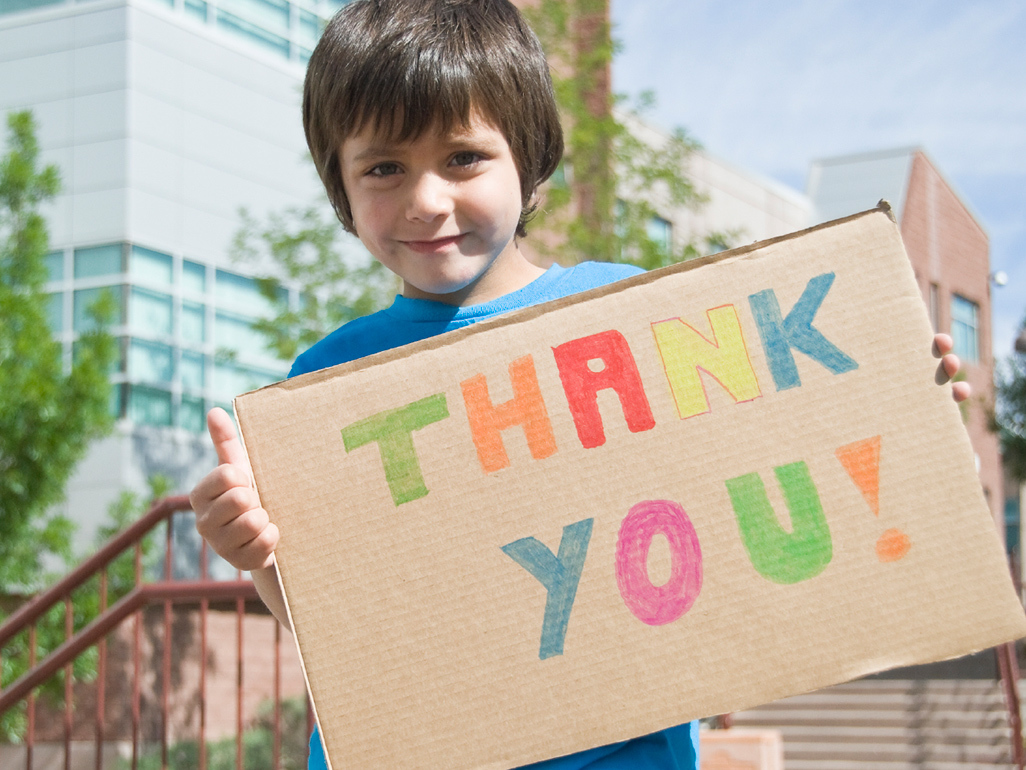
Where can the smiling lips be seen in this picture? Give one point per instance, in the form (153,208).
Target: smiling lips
(435,246)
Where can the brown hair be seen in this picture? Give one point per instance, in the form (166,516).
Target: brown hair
(406,66)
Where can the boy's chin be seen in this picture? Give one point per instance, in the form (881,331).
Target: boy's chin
(447,292)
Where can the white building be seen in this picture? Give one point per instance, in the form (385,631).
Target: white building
(164,117)
(738,203)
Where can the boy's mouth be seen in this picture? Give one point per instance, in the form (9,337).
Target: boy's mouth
(435,245)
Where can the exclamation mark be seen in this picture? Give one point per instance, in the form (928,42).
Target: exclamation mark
(862,461)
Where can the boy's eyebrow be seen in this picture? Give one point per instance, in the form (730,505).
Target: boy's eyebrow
(373,152)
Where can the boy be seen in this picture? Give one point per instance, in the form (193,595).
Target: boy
(432,123)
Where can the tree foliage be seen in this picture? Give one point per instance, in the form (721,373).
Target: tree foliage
(48,413)
(614,179)
(257,744)
(308,250)
(1011,411)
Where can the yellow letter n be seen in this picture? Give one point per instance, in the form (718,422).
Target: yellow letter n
(686,353)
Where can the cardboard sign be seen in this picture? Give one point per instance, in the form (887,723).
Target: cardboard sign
(687,493)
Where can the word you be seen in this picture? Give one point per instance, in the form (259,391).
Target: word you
(779,555)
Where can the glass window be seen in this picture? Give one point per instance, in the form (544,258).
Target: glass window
(253,33)
(197,9)
(85,299)
(194,323)
(149,361)
(13,6)
(266,14)
(191,414)
(194,277)
(55,312)
(97,261)
(149,406)
(235,332)
(190,370)
(965,328)
(660,232)
(309,28)
(55,266)
(231,379)
(149,312)
(241,292)
(150,266)
(117,401)
(558,179)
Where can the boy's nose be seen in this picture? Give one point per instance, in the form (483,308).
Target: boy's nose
(429,199)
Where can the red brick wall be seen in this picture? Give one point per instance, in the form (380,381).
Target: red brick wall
(949,249)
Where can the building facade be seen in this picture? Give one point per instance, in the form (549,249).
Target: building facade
(950,254)
(164,119)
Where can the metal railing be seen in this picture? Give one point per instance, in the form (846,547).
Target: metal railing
(134,597)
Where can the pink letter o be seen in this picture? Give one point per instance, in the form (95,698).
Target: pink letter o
(658,605)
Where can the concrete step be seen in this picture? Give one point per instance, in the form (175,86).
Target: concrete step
(949,718)
(854,735)
(875,724)
(833,764)
(926,755)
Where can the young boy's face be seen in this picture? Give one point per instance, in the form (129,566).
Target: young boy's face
(440,211)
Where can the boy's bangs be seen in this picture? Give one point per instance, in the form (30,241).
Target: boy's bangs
(417,92)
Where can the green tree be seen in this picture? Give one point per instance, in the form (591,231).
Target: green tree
(309,249)
(613,178)
(48,413)
(1011,410)
(257,744)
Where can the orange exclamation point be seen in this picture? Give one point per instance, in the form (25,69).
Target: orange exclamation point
(862,461)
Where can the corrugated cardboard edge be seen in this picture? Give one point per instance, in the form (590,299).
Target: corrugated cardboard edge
(441,340)
(281,587)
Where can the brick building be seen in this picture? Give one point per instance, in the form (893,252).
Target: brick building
(949,251)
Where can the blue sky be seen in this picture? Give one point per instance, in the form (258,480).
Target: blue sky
(771,86)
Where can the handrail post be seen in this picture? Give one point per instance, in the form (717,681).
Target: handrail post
(1008,672)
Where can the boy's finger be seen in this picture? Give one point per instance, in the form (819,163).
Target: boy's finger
(942,345)
(226,440)
(951,364)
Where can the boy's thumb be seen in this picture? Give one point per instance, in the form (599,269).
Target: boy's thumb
(226,440)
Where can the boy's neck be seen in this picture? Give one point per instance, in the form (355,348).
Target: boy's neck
(510,272)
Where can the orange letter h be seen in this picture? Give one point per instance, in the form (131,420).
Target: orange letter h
(526,409)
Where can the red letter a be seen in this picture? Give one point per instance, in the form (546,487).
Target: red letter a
(582,385)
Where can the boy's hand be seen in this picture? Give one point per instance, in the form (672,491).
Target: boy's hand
(228,512)
(949,366)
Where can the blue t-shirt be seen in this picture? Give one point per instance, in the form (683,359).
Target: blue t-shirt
(410,320)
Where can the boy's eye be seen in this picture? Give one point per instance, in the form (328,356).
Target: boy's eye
(465,158)
(384,169)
